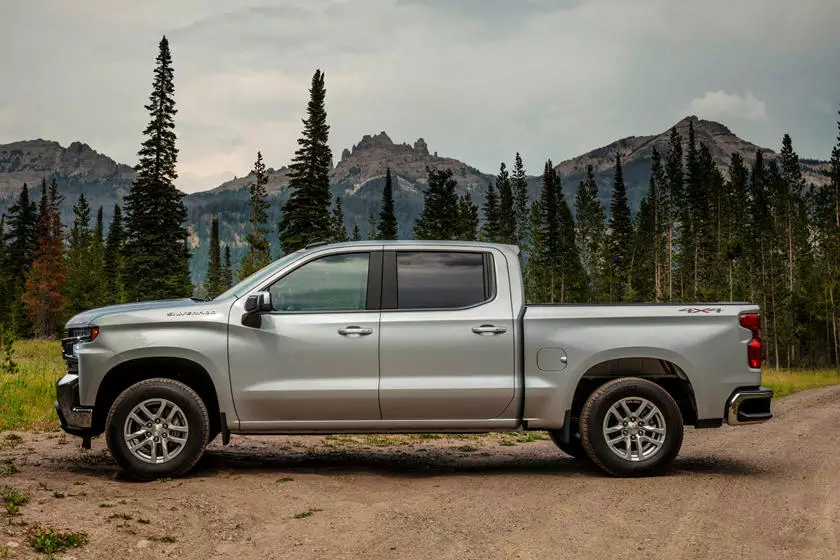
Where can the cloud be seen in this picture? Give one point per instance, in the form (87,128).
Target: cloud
(723,106)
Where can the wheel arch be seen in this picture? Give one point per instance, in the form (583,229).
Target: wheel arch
(129,372)
(665,372)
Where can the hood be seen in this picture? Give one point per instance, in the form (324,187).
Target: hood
(87,317)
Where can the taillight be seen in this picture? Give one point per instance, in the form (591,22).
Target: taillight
(752,321)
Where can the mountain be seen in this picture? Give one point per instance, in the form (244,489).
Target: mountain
(636,152)
(77,169)
(358,178)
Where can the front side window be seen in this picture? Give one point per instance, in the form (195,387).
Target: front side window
(332,283)
(440,280)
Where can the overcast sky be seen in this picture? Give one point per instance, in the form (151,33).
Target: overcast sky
(478,79)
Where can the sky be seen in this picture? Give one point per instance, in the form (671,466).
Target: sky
(478,79)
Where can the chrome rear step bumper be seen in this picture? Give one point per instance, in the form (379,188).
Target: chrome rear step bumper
(749,406)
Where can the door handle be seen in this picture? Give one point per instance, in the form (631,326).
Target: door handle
(489,329)
(355,331)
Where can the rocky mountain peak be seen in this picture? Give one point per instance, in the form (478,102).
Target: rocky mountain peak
(368,142)
(421,147)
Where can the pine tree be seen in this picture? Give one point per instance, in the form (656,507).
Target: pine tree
(507,212)
(214,282)
(5,294)
(357,235)
(227,273)
(259,249)
(490,229)
(372,226)
(46,278)
(736,239)
(591,235)
(156,249)
(306,215)
(388,227)
(643,255)
(620,237)
(97,257)
(339,232)
(467,218)
(826,212)
(519,185)
(658,201)
(20,252)
(439,218)
(81,286)
(537,276)
(112,266)
(672,209)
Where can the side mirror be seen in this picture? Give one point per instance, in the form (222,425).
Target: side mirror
(255,305)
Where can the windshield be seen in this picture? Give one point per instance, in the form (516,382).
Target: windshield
(256,278)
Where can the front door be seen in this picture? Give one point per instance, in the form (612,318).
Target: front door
(447,336)
(315,356)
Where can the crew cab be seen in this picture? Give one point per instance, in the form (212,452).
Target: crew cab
(406,336)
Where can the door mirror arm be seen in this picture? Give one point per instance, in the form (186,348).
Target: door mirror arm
(255,306)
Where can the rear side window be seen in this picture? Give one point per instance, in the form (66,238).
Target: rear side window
(442,280)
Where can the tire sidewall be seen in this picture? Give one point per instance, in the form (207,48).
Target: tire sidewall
(592,433)
(176,392)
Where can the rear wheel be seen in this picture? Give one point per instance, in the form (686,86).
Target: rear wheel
(631,427)
(157,428)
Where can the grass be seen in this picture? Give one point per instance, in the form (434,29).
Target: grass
(307,513)
(27,397)
(8,467)
(51,541)
(785,382)
(285,479)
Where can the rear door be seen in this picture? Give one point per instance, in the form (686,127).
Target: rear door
(446,335)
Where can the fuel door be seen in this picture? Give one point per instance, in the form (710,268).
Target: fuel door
(552,359)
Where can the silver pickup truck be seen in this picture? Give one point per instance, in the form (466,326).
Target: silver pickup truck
(406,337)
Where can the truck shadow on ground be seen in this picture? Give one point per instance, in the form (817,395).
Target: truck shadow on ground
(400,463)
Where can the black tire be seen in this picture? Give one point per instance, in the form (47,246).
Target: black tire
(193,409)
(574,448)
(594,440)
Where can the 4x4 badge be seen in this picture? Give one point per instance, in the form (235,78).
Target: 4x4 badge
(692,310)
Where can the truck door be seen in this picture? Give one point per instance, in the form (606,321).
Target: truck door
(446,335)
(316,355)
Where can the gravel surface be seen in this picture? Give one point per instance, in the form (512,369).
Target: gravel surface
(767,491)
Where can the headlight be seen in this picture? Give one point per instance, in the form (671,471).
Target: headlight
(83,334)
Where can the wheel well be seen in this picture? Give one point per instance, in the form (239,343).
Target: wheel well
(128,373)
(662,372)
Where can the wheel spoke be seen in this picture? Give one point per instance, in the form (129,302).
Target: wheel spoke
(163,450)
(615,440)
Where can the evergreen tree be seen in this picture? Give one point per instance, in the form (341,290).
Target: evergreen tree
(306,215)
(507,217)
(227,274)
(672,208)
(4,276)
(20,251)
(339,233)
(214,282)
(156,249)
(490,230)
(112,266)
(620,237)
(825,204)
(519,185)
(45,280)
(467,218)
(357,235)
(259,249)
(97,260)
(591,235)
(734,209)
(388,227)
(372,227)
(81,286)
(643,256)
(573,280)
(439,218)
(538,276)
(23,235)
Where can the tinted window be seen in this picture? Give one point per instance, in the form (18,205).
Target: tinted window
(333,283)
(430,280)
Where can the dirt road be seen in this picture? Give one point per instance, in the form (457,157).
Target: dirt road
(768,491)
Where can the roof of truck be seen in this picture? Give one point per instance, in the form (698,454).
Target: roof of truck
(411,242)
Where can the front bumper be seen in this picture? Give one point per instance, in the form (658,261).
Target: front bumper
(749,406)
(74,418)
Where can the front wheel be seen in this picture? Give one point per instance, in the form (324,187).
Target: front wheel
(631,427)
(157,428)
